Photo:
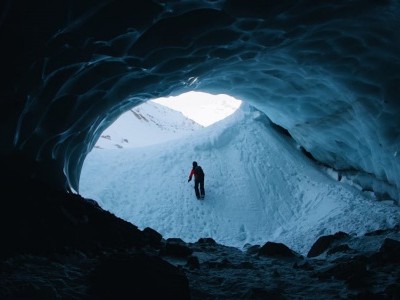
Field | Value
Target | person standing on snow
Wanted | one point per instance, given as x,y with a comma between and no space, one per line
198,174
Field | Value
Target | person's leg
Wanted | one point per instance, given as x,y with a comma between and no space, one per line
202,192
196,188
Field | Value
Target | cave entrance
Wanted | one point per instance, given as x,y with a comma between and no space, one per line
163,119
147,183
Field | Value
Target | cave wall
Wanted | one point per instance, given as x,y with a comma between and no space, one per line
329,73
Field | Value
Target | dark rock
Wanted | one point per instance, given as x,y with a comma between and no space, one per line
176,241
303,265
393,291
219,264
390,251
207,241
261,293
354,272
245,265
340,248
387,254
275,274
33,291
94,203
177,248
276,250
53,220
137,276
253,249
324,242
193,262
368,296
152,237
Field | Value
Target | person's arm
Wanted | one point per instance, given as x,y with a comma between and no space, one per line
190,175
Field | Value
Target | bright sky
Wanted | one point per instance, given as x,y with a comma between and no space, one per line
258,186
203,108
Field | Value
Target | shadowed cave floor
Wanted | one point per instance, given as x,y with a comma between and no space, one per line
62,246
221,273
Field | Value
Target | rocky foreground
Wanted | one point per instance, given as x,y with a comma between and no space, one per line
57,245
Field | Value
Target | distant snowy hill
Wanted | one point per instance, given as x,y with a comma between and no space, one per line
144,125
203,108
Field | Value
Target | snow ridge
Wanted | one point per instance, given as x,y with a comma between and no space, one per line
147,124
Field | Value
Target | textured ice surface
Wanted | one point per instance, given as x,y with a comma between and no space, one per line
327,72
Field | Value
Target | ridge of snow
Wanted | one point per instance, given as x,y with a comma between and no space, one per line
147,124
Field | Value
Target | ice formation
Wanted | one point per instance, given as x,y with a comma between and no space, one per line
327,72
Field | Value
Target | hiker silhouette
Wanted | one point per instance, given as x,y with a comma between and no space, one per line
198,174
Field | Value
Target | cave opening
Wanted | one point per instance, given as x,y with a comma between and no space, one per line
259,186
162,119
158,136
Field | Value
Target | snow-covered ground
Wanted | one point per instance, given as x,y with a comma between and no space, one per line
259,188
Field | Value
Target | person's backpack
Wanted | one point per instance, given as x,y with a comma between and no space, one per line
199,171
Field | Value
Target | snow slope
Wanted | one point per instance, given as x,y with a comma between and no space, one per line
259,187
147,124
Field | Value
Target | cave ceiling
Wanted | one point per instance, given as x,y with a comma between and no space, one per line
328,72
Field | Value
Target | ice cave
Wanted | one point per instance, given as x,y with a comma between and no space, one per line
328,73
